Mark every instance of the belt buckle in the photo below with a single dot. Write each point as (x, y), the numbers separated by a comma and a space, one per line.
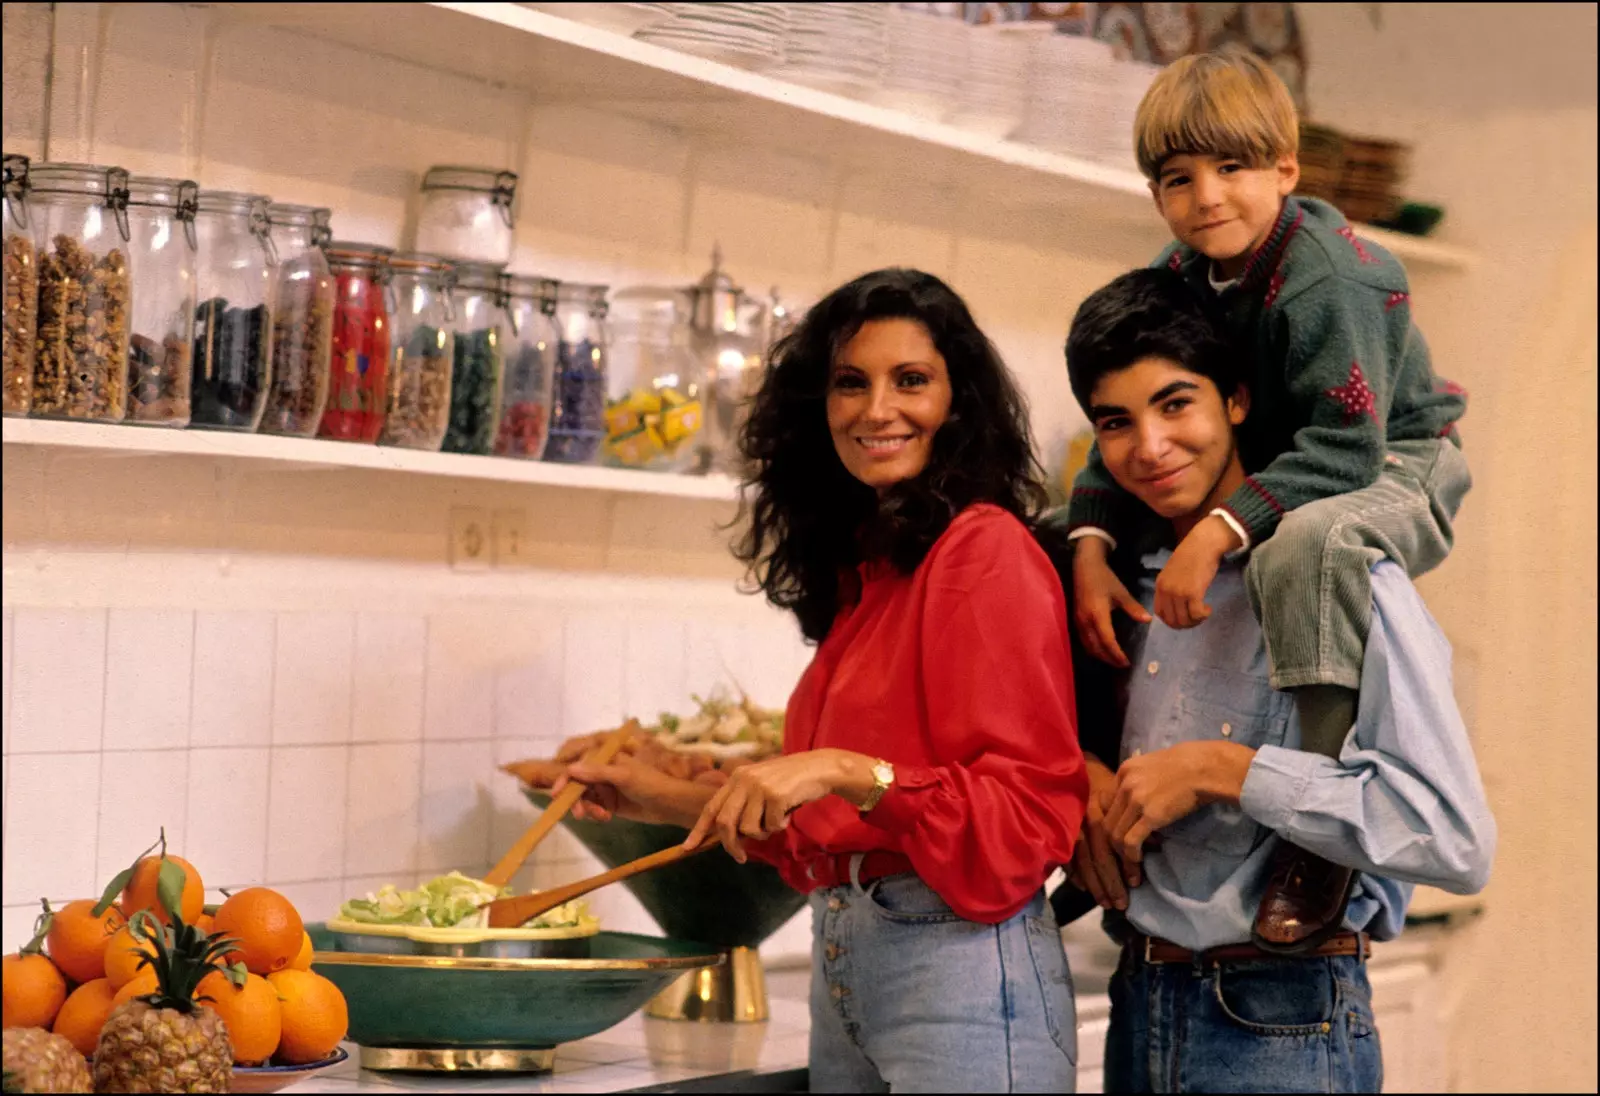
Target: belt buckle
(1148, 940)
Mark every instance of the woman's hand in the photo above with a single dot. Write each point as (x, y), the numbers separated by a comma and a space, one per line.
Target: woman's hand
(631, 787)
(1095, 866)
(758, 798)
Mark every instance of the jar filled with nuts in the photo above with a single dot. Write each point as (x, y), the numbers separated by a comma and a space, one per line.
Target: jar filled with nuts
(236, 285)
(578, 399)
(480, 343)
(80, 368)
(302, 323)
(161, 220)
(21, 289)
(530, 367)
(424, 353)
(357, 374)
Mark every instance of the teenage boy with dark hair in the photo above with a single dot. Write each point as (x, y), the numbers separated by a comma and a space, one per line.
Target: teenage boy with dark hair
(1210, 758)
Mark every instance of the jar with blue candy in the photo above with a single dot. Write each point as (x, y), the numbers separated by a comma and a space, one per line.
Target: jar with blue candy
(578, 402)
(480, 306)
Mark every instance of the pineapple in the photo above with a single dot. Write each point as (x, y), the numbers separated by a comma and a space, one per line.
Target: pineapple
(165, 1041)
(37, 1061)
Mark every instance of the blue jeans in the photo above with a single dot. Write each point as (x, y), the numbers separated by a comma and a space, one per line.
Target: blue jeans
(906, 996)
(1266, 1025)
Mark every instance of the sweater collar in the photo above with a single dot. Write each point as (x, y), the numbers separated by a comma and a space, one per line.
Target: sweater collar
(1265, 259)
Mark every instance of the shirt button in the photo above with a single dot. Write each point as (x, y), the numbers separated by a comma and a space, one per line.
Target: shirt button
(835, 905)
(1152, 668)
(834, 951)
(1227, 730)
(839, 993)
(1137, 751)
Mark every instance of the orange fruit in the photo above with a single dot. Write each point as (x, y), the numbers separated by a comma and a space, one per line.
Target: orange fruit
(144, 982)
(140, 893)
(84, 1014)
(77, 940)
(206, 924)
(303, 960)
(267, 926)
(315, 1016)
(122, 957)
(33, 990)
(251, 1011)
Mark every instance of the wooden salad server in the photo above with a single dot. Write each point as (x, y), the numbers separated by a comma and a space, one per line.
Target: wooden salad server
(508, 913)
(558, 808)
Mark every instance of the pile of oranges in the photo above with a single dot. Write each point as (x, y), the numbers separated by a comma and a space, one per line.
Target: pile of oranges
(280, 1011)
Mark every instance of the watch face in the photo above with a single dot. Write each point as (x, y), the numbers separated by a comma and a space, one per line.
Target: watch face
(883, 773)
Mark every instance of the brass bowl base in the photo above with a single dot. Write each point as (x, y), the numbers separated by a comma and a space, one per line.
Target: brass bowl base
(460, 1059)
(731, 992)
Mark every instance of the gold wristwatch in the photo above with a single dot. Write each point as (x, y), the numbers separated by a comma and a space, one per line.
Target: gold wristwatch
(882, 777)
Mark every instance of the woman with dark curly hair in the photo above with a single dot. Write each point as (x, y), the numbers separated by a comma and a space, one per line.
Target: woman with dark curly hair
(931, 778)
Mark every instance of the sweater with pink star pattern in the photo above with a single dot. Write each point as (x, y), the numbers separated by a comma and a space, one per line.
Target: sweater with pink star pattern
(1339, 371)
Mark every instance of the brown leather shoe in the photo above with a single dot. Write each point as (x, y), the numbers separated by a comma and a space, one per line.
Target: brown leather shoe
(1304, 903)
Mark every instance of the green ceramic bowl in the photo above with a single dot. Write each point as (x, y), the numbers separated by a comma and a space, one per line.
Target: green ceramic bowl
(711, 898)
(421, 1002)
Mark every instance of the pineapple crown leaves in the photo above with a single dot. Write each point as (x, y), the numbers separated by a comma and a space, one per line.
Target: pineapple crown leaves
(41, 929)
(181, 955)
(170, 880)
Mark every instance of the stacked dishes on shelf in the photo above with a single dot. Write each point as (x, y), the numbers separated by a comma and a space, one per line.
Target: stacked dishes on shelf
(750, 35)
(1069, 101)
(994, 88)
(835, 47)
(926, 55)
(621, 18)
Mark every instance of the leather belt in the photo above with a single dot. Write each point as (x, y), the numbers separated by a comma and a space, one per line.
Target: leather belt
(834, 871)
(1157, 951)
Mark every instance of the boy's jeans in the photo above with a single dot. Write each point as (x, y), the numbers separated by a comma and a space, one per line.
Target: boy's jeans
(908, 997)
(1269, 1025)
(1310, 583)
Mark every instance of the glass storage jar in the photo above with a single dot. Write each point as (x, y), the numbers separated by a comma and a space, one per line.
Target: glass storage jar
(235, 283)
(80, 368)
(480, 342)
(468, 214)
(530, 361)
(357, 374)
(164, 248)
(653, 393)
(578, 398)
(21, 289)
(302, 322)
(424, 353)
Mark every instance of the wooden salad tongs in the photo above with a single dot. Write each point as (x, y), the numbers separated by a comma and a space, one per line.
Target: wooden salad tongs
(508, 913)
(557, 809)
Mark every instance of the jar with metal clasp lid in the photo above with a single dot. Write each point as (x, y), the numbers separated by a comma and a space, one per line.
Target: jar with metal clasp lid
(475, 388)
(80, 368)
(302, 323)
(164, 249)
(21, 289)
(236, 285)
(654, 412)
(578, 398)
(468, 214)
(423, 358)
(359, 367)
(530, 365)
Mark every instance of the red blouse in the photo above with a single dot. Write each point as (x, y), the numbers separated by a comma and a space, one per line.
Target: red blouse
(960, 676)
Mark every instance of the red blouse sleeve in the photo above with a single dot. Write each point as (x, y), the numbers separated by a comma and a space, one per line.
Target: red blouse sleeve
(1002, 805)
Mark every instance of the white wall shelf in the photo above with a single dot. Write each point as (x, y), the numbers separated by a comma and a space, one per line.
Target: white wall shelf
(558, 60)
(108, 439)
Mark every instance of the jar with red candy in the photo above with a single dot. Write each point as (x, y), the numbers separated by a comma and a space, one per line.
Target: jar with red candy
(530, 360)
(358, 373)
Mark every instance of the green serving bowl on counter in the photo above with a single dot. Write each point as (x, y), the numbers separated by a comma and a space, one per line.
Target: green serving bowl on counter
(712, 898)
(427, 1003)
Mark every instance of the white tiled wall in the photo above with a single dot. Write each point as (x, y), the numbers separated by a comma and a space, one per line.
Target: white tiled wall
(324, 753)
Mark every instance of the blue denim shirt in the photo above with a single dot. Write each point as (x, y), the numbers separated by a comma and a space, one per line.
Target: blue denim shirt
(1403, 804)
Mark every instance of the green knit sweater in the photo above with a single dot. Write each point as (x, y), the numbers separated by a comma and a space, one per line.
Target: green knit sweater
(1339, 370)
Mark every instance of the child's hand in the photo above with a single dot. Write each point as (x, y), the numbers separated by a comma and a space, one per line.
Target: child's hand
(1096, 590)
(1182, 584)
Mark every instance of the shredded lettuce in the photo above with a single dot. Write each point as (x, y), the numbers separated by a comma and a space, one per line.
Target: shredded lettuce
(449, 901)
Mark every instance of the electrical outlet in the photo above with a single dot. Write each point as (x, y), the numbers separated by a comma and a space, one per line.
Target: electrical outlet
(510, 538)
(470, 544)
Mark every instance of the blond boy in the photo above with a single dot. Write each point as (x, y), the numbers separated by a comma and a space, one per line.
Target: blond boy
(1351, 445)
